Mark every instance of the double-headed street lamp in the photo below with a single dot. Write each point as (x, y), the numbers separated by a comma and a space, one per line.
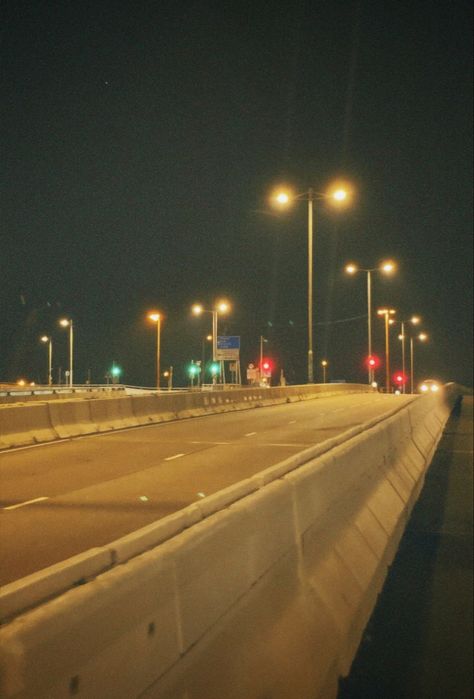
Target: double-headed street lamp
(338, 194)
(156, 317)
(67, 323)
(221, 307)
(385, 268)
(49, 340)
(387, 313)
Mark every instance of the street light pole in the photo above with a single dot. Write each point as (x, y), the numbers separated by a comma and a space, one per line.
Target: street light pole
(49, 340)
(156, 318)
(337, 195)
(403, 354)
(386, 268)
(387, 313)
(324, 364)
(310, 285)
(369, 323)
(67, 322)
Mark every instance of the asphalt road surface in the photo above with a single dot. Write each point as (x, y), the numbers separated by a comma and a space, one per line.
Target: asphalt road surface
(62, 498)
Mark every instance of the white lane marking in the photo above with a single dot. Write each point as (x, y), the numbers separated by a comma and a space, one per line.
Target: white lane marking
(249, 434)
(176, 456)
(210, 442)
(282, 444)
(201, 495)
(23, 504)
(292, 422)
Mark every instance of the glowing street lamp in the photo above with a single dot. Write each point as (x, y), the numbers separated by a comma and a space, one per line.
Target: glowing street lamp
(324, 364)
(386, 267)
(414, 320)
(47, 339)
(337, 194)
(67, 323)
(220, 307)
(155, 317)
(387, 312)
(422, 337)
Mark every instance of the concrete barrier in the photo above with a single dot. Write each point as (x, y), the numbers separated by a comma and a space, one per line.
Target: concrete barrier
(267, 596)
(25, 424)
(112, 413)
(72, 418)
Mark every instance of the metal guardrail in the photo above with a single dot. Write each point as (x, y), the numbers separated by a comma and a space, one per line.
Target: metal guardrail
(55, 390)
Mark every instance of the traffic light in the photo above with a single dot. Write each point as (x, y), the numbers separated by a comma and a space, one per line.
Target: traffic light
(372, 362)
(215, 368)
(399, 378)
(266, 368)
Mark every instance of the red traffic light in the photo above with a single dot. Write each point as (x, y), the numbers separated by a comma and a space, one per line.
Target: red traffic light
(399, 378)
(372, 362)
(266, 367)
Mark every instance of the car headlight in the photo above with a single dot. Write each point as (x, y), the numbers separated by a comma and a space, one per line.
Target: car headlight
(424, 387)
(435, 387)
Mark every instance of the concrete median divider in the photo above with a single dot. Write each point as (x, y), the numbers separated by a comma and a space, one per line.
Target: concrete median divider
(262, 591)
(25, 424)
(113, 413)
(72, 418)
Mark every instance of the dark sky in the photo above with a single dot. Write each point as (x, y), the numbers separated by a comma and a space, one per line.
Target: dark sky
(140, 141)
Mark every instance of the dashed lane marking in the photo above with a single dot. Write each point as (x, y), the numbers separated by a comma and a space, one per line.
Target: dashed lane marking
(23, 504)
(176, 456)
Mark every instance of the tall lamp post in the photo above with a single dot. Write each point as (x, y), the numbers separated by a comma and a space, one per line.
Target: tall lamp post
(324, 364)
(385, 268)
(220, 307)
(422, 337)
(67, 323)
(387, 312)
(156, 318)
(414, 320)
(49, 340)
(337, 195)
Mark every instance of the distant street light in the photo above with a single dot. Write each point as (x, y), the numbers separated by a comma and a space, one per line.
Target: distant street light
(324, 364)
(385, 268)
(387, 312)
(220, 307)
(156, 318)
(67, 323)
(339, 195)
(414, 320)
(49, 340)
(422, 337)
(168, 374)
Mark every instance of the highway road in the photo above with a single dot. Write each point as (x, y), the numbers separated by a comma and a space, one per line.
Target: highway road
(62, 498)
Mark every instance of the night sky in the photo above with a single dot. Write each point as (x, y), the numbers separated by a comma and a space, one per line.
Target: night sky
(140, 142)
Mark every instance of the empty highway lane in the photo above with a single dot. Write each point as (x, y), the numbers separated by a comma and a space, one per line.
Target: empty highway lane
(62, 498)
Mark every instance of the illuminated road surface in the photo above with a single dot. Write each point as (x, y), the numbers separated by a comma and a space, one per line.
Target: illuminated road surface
(60, 499)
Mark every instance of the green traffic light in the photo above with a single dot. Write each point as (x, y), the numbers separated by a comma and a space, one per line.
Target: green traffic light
(116, 371)
(215, 368)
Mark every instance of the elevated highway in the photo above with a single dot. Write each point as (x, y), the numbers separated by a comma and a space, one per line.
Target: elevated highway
(59, 499)
(237, 554)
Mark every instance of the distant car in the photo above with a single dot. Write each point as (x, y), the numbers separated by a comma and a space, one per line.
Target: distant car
(429, 386)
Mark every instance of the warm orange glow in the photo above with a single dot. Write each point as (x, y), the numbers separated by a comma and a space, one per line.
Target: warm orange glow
(64, 322)
(415, 320)
(422, 337)
(197, 309)
(388, 267)
(222, 306)
(45, 338)
(386, 311)
(324, 362)
(282, 196)
(154, 316)
(340, 193)
(351, 268)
